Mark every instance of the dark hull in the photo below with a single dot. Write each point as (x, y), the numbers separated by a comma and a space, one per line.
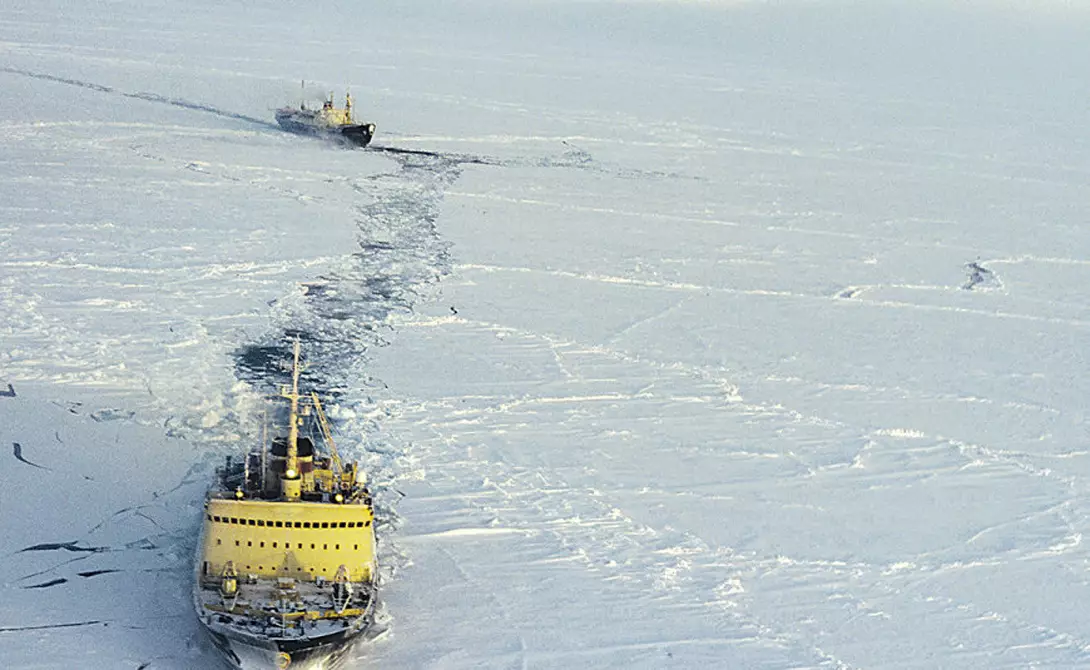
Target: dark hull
(247, 652)
(249, 649)
(359, 134)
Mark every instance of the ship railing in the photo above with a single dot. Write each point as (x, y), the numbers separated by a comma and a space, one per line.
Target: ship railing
(301, 615)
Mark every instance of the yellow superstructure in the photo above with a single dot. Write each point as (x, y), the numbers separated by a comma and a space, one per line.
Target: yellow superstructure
(309, 516)
(302, 540)
(335, 116)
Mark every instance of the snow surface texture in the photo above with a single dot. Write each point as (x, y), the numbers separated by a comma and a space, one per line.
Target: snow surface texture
(674, 335)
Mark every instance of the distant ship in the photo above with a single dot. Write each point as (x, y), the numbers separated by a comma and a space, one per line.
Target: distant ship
(286, 567)
(329, 121)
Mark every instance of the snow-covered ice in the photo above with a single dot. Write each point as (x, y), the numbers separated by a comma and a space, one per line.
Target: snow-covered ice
(673, 334)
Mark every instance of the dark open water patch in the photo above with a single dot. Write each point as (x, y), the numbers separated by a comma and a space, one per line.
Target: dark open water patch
(453, 158)
(262, 361)
(75, 624)
(402, 152)
(96, 573)
(46, 585)
(66, 546)
(267, 364)
(18, 451)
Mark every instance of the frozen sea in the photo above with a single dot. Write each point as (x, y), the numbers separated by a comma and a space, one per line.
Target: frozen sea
(674, 334)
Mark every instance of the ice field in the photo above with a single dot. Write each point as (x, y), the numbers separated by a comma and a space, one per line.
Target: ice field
(673, 334)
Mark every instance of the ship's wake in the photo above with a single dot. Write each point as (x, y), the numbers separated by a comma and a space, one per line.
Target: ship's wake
(343, 313)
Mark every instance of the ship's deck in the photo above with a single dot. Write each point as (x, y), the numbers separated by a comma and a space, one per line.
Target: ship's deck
(283, 608)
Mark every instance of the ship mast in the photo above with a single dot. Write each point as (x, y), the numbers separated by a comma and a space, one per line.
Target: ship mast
(290, 484)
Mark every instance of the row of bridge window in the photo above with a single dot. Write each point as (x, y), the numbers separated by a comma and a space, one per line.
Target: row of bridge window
(287, 545)
(289, 524)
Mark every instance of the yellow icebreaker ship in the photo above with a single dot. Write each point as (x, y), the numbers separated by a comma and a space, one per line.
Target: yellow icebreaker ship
(329, 121)
(286, 567)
